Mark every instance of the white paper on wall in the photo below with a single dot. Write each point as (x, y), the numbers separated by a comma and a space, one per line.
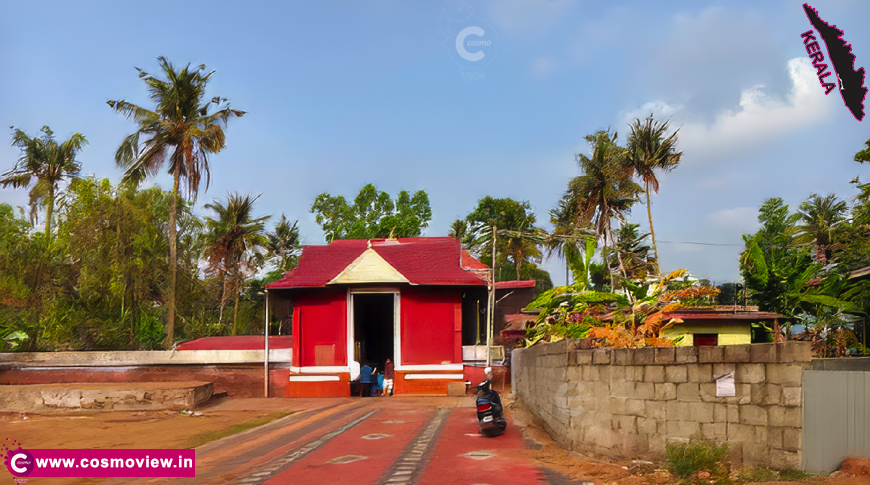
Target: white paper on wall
(725, 385)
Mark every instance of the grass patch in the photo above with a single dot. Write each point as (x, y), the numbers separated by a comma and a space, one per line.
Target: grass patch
(763, 474)
(201, 439)
(758, 474)
(698, 459)
(794, 475)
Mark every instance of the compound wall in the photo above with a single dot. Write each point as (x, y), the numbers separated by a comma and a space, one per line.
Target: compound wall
(630, 403)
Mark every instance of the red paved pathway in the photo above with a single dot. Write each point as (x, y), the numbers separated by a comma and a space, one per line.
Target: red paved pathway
(393, 441)
(463, 456)
(361, 454)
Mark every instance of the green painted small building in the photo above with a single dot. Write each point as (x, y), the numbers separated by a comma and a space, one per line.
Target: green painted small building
(702, 327)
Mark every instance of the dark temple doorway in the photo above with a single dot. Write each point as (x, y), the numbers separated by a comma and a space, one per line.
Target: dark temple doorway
(373, 328)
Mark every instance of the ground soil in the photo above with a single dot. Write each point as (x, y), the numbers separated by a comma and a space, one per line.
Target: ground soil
(136, 429)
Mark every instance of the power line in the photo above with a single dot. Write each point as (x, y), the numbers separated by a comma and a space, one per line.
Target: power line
(699, 243)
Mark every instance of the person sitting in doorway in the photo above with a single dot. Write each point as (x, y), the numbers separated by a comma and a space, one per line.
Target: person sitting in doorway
(389, 371)
(378, 384)
(366, 379)
(379, 387)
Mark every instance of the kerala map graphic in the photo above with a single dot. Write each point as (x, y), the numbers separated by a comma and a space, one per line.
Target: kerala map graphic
(851, 81)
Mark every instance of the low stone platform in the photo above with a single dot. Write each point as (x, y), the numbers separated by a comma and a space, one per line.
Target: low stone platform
(95, 397)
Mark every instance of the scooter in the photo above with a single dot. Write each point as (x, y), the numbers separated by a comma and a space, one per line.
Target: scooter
(490, 413)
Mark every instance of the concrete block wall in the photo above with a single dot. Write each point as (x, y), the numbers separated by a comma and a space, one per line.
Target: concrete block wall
(630, 403)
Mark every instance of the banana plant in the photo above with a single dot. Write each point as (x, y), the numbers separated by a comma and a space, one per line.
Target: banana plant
(580, 263)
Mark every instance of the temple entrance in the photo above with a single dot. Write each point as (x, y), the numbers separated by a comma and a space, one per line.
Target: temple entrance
(373, 328)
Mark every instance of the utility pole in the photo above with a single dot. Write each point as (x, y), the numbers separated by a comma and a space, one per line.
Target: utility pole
(491, 304)
(266, 350)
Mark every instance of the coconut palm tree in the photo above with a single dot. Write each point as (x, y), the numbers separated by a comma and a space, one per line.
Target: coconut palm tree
(512, 219)
(45, 164)
(231, 242)
(524, 239)
(284, 244)
(819, 216)
(569, 234)
(634, 253)
(458, 230)
(650, 150)
(605, 191)
(183, 131)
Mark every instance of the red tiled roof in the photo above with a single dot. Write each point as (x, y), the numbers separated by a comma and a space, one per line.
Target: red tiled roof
(422, 260)
(470, 262)
(319, 264)
(503, 285)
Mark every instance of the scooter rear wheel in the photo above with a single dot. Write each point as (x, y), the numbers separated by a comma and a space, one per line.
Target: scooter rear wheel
(493, 431)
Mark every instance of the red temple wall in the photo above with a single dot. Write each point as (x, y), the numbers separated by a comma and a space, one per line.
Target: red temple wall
(431, 326)
(320, 319)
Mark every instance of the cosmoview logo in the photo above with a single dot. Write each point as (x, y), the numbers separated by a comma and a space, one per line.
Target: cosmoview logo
(19, 461)
(472, 44)
(461, 42)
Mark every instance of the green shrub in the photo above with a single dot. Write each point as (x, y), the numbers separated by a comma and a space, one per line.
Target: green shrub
(151, 332)
(698, 455)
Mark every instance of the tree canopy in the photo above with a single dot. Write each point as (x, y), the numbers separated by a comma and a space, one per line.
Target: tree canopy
(372, 215)
(519, 241)
(819, 216)
(605, 190)
(103, 285)
(784, 267)
(231, 243)
(182, 130)
(44, 164)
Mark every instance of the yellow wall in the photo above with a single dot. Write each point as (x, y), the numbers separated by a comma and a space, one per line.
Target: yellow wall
(729, 334)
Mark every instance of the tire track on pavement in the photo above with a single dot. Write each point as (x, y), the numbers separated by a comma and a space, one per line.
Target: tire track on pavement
(244, 453)
(276, 466)
(409, 466)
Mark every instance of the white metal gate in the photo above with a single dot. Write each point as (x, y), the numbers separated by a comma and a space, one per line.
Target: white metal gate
(836, 418)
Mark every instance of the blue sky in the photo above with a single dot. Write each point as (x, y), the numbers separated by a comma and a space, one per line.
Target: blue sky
(340, 94)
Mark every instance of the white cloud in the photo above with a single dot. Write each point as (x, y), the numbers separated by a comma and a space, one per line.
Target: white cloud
(542, 67)
(744, 219)
(760, 119)
(658, 108)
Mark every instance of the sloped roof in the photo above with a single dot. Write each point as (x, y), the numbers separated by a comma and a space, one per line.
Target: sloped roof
(369, 267)
(518, 321)
(722, 315)
(470, 262)
(504, 285)
(421, 260)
